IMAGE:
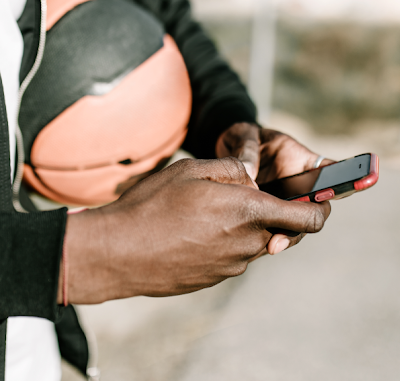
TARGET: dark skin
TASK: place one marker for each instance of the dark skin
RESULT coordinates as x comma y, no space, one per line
188,227
267,155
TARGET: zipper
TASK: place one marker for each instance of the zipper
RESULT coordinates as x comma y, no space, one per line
28,79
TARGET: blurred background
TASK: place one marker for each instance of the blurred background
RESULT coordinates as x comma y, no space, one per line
328,73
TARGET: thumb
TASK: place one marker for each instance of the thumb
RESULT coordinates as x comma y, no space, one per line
242,140
249,155
301,217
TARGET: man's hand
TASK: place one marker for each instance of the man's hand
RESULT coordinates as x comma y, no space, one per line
267,155
185,228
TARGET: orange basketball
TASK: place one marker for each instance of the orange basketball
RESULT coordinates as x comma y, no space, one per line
110,102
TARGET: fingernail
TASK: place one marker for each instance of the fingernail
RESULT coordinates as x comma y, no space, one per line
250,169
254,183
281,245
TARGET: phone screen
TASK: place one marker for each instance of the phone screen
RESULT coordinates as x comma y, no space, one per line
320,178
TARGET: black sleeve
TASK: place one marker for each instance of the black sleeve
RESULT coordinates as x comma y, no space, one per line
30,248
30,254
219,98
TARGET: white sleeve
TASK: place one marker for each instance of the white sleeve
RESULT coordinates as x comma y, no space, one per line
11,49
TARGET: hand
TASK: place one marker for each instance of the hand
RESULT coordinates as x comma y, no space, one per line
267,155
185,228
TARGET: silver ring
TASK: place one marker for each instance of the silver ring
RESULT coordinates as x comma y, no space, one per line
318,161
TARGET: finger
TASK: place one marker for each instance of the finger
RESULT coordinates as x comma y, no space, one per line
302,217
228,170
327,162
243,142
249,155
248,152
260,254
281,242
251,169
312,161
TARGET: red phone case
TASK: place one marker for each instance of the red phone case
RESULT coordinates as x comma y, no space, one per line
372,178
340,191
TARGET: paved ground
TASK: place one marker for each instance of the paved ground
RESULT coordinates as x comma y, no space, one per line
328,309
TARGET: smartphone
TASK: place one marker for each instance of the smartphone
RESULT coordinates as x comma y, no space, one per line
333,181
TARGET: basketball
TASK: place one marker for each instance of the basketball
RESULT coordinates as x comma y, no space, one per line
109,104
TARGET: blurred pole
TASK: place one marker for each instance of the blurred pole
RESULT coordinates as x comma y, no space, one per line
262,56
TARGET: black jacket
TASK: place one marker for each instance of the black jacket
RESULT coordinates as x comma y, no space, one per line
31,243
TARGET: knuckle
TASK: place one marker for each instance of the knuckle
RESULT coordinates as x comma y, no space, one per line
183,164
318,221
234,169
297,239
247,211
252,211
238,269
234,161
234,270
187,162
